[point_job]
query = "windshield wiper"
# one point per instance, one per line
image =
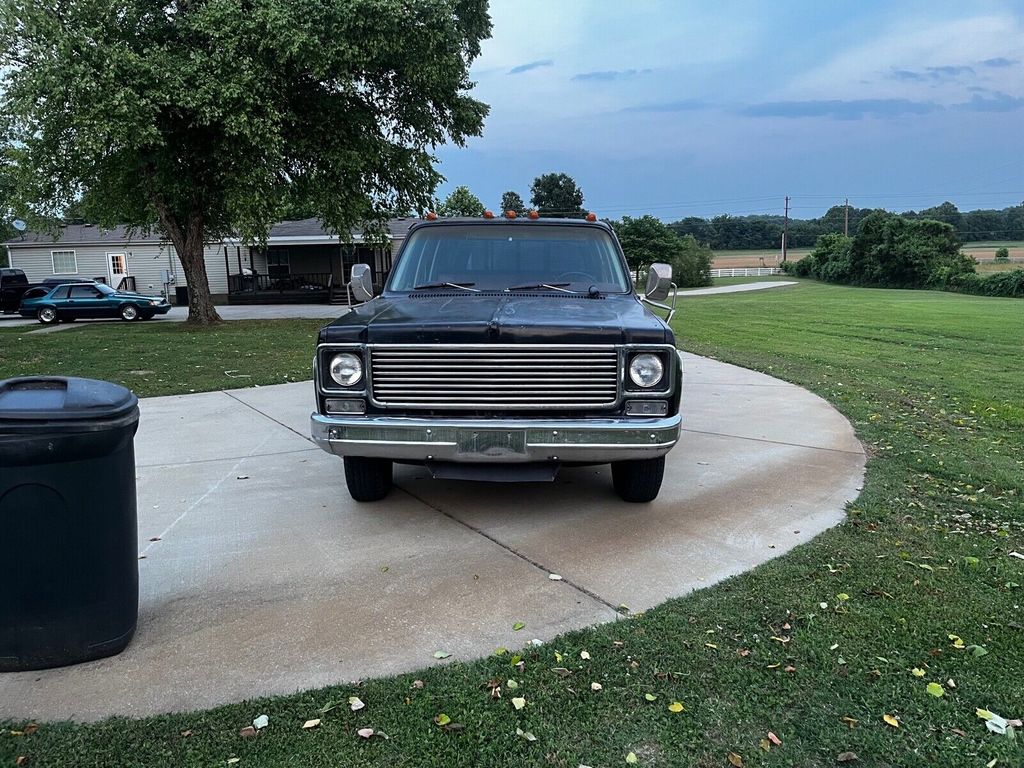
(537, 286)
(463, 286)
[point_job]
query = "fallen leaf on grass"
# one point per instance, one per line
(584, 655)
(248, 732)
(441, 654)
(711, 645)
(519, 702)
(518, 626)
(230, 760)
(994, 722)
(1018, 555)
(561, 671)
(631, 758)
(774, 739)
(891, 720)
(511, 684)
(917, 672)
(650, 697)
(935, 690)
(311, 724)
(977, 650)
(261, 722)
(186, 734)
(735, 760)
(596, 686)
(525, 735)
(675, 706)
(417, 684)
(850, 721)
(846, 757)
(355, 703)
(765, 745)
(21, 760)
(368, 733)
(442, 719)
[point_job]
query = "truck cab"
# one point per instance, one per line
(501, 349)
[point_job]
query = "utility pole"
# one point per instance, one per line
(846, 218)
(785, 230)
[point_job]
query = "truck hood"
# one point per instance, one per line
(470, 318)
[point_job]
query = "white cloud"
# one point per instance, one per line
(882, 67)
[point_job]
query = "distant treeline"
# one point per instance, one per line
(735, 232)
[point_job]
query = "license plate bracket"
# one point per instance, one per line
(492, 443)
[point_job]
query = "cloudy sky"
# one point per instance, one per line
(698, 108)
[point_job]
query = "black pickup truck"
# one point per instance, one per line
(14, 285)
(501, 349)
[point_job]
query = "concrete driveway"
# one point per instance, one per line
(260, 575)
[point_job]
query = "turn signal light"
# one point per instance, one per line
(510, 214)
(488, 214)
(591, 216)
(431, 216)
(534, 214)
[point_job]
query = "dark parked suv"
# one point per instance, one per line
(501, 349)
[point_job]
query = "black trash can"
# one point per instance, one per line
(69, 567)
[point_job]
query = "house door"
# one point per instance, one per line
(117, 266)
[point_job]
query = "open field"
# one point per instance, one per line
(917, 587)
(984, 251)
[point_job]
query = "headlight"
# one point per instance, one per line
(154, 302)
(346, 369)
(646, 370)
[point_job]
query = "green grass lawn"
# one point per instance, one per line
(163, 358)
(816, 646)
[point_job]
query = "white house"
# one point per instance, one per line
(301, 262)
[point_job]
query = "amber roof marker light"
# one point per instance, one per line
(510, 214)
(431, 216)
(534, 214)
(488, 214)
(591, 216)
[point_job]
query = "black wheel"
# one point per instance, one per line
(129, 312)
(367, 479)
(47, 315)
(638, 481)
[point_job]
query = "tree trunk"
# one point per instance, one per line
(188, 241)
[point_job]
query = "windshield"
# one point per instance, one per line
(493, 257)
(105, 289)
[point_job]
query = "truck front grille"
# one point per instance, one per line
(498, 377)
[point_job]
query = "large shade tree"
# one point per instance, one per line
(461, 202)
(209, 118)
(557, 195)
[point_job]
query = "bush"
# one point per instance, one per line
(691, 263)
(1010, 284)
(1002, 254)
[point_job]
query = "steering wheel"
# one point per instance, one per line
(584, 275)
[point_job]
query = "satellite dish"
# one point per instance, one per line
(19, 225)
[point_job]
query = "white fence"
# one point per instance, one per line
(746, 272)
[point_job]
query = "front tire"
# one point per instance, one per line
(368, 479)
(47, 315)
(129, 312)
(638, 482)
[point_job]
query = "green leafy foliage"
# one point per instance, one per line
(511, 201)
(556, 195)
(889, 251)
(646, 240)
(209, 119)
(1002, 253)
(461, 202)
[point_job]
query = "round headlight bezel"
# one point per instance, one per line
(355, 366)
(652, 362)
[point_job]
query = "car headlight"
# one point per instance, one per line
(346, 369)
(154, 302)
(646, 370)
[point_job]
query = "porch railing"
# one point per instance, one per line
(293, 283)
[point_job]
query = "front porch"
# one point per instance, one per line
(299, 273)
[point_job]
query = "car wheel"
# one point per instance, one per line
(47, 315)
(129, 312)
(638, 481)
(368, 479)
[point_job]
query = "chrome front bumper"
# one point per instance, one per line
(496, 441)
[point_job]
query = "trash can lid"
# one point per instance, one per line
(48, 398)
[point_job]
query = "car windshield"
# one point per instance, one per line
(496, 257)
(105, 289)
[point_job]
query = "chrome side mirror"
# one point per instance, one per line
(659, 281)
(362, 282)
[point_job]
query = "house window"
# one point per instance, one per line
(64, 262)
(279, 263)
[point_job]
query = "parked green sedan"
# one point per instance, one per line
(77, 300)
